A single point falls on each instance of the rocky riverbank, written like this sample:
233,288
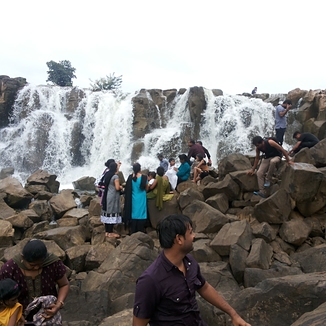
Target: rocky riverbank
265,256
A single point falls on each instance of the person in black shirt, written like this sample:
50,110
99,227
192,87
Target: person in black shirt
272,156
305,139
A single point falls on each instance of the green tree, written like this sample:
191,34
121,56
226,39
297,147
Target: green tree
112,83
61,73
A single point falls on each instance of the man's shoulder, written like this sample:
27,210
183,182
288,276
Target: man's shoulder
154,270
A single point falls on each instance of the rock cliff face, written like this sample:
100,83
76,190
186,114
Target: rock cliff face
8,91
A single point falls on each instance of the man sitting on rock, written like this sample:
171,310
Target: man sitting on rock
272,155
305,139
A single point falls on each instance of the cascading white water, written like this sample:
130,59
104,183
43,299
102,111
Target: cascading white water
43,131
42,128
230,123
167,140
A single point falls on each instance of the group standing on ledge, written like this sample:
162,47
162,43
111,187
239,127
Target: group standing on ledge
139,188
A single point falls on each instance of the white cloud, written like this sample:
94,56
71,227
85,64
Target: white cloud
232,45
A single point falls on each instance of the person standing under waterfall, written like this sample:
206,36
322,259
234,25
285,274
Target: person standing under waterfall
280,119
135,200
166,291
272,156
163,162
111,212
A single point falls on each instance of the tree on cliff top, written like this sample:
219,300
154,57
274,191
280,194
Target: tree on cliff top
60,73
109,83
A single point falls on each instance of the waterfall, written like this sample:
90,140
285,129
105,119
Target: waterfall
46,133
231,121
168,139
71,132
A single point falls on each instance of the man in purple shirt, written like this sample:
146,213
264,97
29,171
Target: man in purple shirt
195,149
166,291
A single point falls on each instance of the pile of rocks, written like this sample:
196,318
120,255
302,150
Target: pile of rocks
267,257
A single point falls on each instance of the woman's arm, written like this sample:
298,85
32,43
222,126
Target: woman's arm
64,286
117,185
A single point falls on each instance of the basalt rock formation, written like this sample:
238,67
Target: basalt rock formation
265,256
8,91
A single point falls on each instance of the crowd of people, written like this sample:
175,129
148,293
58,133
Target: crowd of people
159,185
35,276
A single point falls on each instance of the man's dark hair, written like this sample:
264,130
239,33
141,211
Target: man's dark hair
34,250
192,141
160,155
257,140
287,102
199,142
296,133
171,159
170,226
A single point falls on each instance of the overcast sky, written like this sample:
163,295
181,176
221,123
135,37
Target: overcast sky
232,45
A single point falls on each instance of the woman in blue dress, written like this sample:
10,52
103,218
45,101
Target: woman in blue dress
135,200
